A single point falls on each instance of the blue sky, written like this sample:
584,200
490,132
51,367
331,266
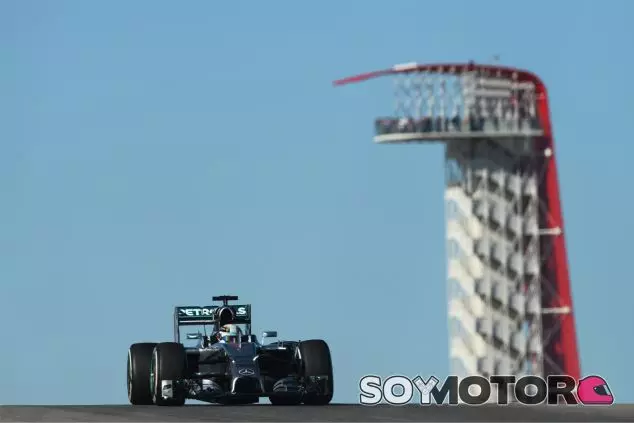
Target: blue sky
155,153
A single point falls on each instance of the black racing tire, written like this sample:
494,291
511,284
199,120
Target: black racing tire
316,361
169,362
138,373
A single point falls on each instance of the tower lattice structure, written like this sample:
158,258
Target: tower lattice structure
510,306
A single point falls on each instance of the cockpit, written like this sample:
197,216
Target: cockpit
227,334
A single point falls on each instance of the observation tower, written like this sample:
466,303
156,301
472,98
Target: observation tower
510,306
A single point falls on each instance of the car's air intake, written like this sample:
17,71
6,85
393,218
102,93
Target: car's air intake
225,315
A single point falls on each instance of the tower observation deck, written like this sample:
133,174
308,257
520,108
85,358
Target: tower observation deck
510,305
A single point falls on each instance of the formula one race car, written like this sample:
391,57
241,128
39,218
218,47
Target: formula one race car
229,366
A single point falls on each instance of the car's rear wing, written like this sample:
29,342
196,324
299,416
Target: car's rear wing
210,315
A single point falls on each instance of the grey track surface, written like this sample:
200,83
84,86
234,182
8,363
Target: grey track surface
335,412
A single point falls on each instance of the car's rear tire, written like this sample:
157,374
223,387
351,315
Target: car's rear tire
316,361
138,373
169,362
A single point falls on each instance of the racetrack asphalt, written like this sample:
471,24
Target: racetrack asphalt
331,413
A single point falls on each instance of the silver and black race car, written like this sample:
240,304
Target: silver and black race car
237,372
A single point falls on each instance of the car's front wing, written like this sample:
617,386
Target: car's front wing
244,387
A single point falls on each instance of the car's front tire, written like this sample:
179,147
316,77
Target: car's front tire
138,373
169,362
315,360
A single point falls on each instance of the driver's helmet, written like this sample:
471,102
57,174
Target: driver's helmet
230,334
